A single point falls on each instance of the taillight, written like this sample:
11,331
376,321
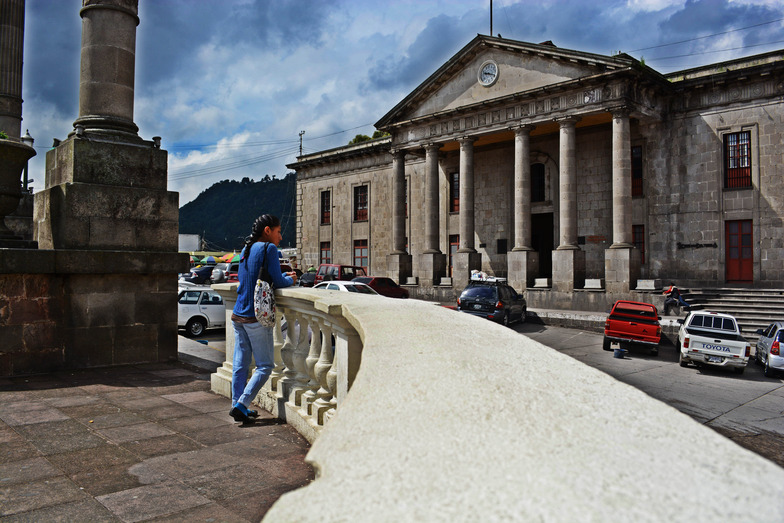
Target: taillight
748,350
607,323
458,302
686,342
658,330
774,349
499,305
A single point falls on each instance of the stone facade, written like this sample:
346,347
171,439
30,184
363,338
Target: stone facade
577,166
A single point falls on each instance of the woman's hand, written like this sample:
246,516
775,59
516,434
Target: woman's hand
293,276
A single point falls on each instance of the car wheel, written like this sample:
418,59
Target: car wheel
681,361
522,318
768,372
505,320
195,327
606,344
739,370
655,352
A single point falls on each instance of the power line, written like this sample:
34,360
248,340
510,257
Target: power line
707,36
714,51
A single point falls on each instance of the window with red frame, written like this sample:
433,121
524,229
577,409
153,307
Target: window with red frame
361,253
360,203
737,160
454,192
454,245
638,240
326,253
326,208
637,170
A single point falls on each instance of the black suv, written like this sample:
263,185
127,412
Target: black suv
494,299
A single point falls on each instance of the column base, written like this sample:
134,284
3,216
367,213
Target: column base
399,267
568,269
432,267
621,269
523,268
462,265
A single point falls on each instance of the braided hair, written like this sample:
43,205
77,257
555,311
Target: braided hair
261,223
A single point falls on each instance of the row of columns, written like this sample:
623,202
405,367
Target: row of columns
568,258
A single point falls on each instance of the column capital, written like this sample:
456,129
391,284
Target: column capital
567,121
522,128
397,152
466,139
619,111
432,147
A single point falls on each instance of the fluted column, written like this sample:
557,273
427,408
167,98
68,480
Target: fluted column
522,191
12,15
621,179
568,184
431,198
108,58
467,194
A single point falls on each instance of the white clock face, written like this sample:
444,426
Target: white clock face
488,73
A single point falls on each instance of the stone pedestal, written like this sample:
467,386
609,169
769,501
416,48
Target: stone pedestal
220,380
568,269
399,267
432,267
523,268
462,265
106,194
621,269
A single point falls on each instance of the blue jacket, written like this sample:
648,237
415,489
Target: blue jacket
249,273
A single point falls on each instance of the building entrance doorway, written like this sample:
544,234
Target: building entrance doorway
542,242
740,252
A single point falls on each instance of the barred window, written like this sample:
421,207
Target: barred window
454,192
360,203
326,253
361,253
638,240
326,208
637,171
737,160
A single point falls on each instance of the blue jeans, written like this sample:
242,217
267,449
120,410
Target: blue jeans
251,339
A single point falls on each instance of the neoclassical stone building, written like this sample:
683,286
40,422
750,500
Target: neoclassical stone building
572,174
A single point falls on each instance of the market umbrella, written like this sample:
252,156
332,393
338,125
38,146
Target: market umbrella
227,257
208,260
235,258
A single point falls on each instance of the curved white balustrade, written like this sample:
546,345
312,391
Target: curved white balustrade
453,418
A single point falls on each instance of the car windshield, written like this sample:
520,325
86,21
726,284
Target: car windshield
712,322
361,279
362,289
479,292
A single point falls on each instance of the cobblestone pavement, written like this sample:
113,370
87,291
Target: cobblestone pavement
138,443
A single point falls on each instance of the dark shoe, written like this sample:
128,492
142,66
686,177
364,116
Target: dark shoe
253,414
238,415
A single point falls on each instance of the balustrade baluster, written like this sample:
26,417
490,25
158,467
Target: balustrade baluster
287,355
322,368
299,356
277,337
332,384
309,396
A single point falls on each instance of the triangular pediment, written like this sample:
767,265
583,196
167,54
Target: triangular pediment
521,67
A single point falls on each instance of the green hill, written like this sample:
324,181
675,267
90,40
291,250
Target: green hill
223,214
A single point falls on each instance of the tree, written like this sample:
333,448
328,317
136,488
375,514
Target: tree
359,138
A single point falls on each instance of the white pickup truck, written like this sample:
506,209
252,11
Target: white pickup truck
712,338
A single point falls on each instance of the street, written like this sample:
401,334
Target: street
747,408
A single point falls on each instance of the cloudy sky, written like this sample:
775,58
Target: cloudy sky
230,84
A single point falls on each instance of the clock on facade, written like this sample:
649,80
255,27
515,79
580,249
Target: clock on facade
488,73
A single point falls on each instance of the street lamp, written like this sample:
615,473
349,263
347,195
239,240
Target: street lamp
28,141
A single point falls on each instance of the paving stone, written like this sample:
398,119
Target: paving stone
197,423
210,512
33,495
194,397
115,479
27,470
29,412
60,436
172,412
135,432
96,458
150,501
146,403
149,448
87,510
72,401
189,464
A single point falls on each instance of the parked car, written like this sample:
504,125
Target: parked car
199,309
345,286
383,286
769,348
232,273
306,280
494,299
712,338
633,323
334,271
219,273
199,275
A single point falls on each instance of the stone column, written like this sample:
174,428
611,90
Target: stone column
399,261
11,53
522,260
432,263
621,260
108,58
466,258
568,258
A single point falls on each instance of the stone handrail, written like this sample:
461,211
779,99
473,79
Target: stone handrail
453,418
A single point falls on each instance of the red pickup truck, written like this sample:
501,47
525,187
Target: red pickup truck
633,323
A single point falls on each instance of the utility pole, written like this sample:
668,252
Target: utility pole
300,142
491,17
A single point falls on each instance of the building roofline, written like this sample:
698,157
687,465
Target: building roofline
728,66
344,151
